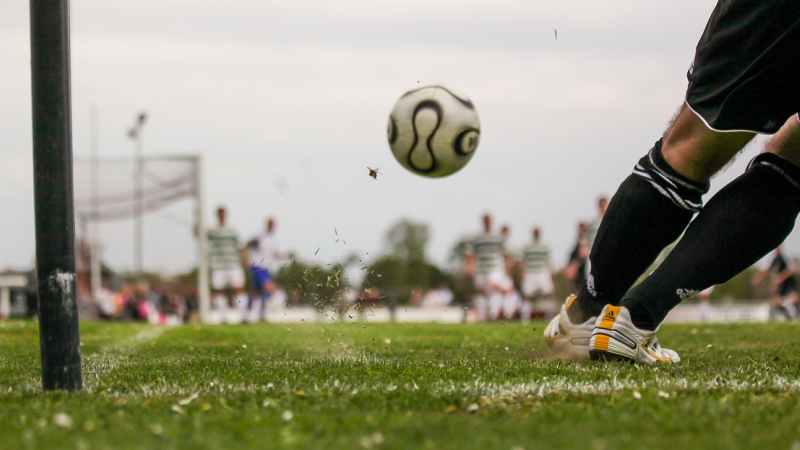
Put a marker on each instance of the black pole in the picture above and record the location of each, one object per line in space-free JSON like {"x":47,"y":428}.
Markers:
{"x":52,"y":174}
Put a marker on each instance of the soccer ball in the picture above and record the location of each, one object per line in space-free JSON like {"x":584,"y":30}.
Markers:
{"x":433,"y":131}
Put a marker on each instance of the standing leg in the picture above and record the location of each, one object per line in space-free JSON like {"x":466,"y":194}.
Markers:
{"x":652,"y":207}
{"x":744,"y":221}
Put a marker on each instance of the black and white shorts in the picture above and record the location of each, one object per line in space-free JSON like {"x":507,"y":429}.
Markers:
{"x":746,"y":71}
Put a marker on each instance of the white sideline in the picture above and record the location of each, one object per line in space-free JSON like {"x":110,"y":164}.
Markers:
{"x":664,"y":387}
{"x":684,"y":313}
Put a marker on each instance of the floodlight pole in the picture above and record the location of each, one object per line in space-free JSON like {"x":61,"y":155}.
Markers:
{"x":52,"y":173}
{"x":139,"y":210}
{"x":135,"y":133}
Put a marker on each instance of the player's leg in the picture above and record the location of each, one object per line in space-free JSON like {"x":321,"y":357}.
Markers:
{"x":547,"y":300}
{"x":744,"y":77}
{"x":218,"y":298}
{"x":650,"y":210}
{"x":255,"y":300}
{"x":495,"y":295}
{"x":748,"y":218}
{"x":786,"y":142}
{"x":237,"y":295}
{"x":268,"y":289}
{"x":511,"y":298}
{"x":652,"y":207}
{"x":495,"y":304}
{"x":793,"y":304}
{"x":480,"y":301}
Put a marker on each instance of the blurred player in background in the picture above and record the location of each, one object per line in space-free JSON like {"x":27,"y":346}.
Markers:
{"x":575,"y":269}
{"x":783,"y":286}
{"x":591,"y":235}
{"x":511,"y":300}
{"x":265,"y":257}
{"x":706,"y":310}
{"x":225,"y":262}
{"x":594,"y":225}
{"x":485,"y":262}
{"x":537,"y":280}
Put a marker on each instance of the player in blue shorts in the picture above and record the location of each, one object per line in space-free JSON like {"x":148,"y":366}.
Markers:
{"x":264,"y":257}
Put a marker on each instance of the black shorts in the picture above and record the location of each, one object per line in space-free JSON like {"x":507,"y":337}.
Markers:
{"x":746,"y":71}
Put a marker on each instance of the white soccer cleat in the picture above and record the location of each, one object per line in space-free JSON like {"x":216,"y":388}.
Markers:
{"x":616,"y":337}
{"x":567,"y":339}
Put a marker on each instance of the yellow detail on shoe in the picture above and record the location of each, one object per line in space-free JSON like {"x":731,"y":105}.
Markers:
{"x":570,"y":301}
{"x":600,"y":342}
{"x":609,"y":316}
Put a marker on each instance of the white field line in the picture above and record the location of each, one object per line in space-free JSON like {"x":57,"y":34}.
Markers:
{"x":566,"y":386}
{"x":110,"y":357}
{"x":96,"y":365}
{"x":552,"y":386}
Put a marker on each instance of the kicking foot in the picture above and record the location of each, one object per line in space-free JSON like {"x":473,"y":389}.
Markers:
{"x":567,"y":339}
{"x":616,"y":337}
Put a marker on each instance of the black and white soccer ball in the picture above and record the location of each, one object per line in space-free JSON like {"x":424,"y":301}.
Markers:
{"x":433,"y":131}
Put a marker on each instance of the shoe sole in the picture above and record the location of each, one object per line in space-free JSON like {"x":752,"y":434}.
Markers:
{"x":600,"y":355}
{"x":610,"y":345}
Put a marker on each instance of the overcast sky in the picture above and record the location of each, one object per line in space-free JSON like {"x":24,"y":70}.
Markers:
{"x":288,"y":101}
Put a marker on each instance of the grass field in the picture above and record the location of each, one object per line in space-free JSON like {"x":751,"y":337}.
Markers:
{"x":353,"y":386}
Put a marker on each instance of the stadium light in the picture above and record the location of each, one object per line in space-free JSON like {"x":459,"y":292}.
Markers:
{"x":135,"y":134}
{"x":52,"y":173}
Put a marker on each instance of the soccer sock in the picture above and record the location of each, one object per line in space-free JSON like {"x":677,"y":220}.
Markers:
{"x":742,"y":223}
{"x":649,"y":211}
{"x":262,"y":312}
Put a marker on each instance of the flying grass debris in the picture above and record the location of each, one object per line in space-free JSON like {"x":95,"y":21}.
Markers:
{"x":62,"y":420}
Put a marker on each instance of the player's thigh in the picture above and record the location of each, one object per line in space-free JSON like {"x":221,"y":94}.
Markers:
{"x":786,"y":142}
{"x":696,"y":151}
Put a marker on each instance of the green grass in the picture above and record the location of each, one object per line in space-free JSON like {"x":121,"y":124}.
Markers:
{"x":353,"y":386}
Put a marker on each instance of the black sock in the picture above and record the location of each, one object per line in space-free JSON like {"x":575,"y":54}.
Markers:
{"x":741,"y":224}
{"x":648,"y":212}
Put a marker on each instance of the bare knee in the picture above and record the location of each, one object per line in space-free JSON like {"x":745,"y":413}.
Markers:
{"x":786,"y":142}
{"x":697,"y":152}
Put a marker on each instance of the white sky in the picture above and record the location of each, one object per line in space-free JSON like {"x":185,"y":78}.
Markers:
{"x":296,"y":93}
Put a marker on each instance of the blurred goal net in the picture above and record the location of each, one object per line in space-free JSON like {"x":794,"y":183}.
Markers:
{"x":126,"y":189}
{"x":111,"y":189}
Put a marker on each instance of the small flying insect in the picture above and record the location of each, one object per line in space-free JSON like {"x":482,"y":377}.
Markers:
{"x":373,"y":172}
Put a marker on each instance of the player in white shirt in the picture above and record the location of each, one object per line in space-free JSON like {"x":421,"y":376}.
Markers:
{"x":224,"y":258}
{"x":537,"y":280}
{"x":264,"y":257}
{"x":485,"y":262}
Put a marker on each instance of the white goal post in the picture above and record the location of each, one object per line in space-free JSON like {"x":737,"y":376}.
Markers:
{"x":105,"y":189}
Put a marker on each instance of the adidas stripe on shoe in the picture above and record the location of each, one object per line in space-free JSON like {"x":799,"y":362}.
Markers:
{"x":614,"y":336}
